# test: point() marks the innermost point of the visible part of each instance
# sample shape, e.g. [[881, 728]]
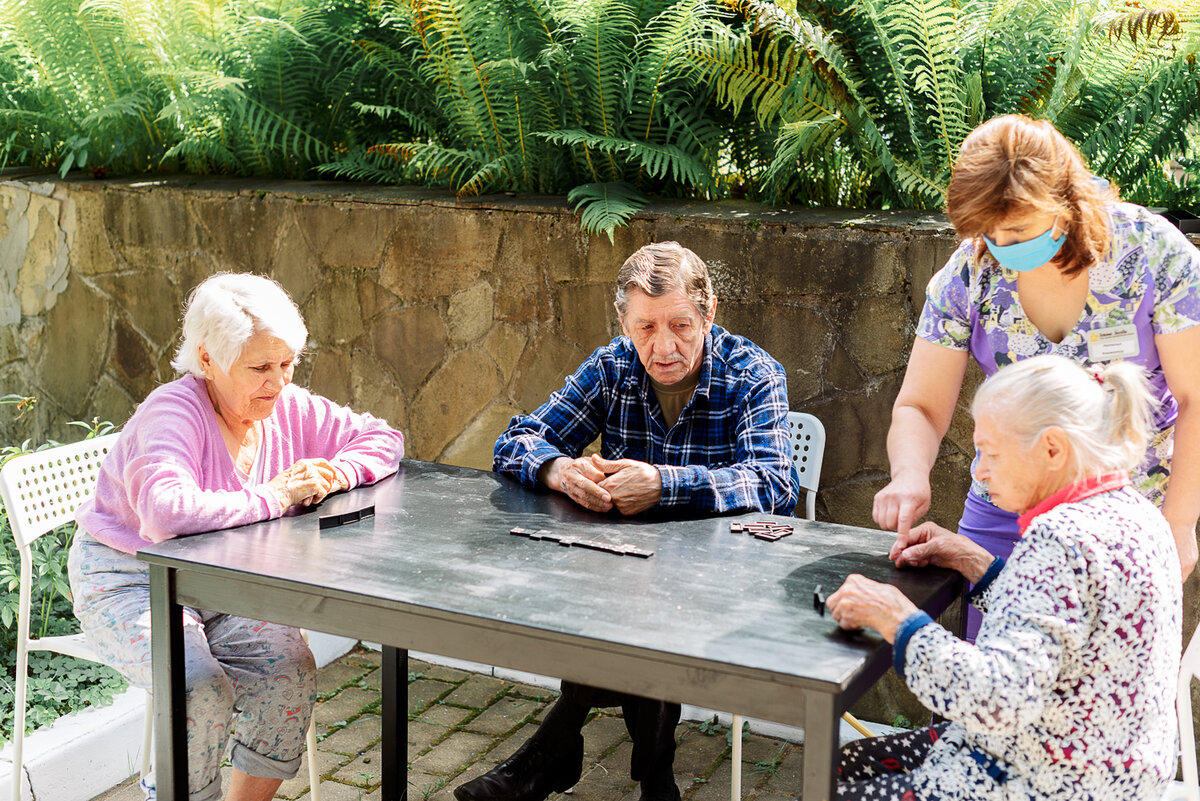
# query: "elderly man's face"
[[249, 390], [667, 333]]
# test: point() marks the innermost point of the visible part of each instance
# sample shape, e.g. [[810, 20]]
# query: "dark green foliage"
[[882, 92], [819, 102]]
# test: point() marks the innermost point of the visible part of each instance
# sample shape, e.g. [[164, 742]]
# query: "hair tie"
[[1097, 373]]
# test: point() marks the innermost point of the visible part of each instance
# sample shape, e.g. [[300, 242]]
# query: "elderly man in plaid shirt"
[[691, 418]]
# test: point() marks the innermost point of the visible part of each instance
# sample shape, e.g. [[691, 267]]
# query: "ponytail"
[[1105, 411]]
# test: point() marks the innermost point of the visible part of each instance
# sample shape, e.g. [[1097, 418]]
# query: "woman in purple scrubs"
[[1051, 262]]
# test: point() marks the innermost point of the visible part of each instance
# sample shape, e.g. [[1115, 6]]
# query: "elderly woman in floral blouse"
[[1068, 692]]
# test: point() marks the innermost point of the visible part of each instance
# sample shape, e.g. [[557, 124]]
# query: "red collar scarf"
[[1076, 492]]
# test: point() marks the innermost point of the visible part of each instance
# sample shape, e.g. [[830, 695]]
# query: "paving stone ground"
[[462, 724]]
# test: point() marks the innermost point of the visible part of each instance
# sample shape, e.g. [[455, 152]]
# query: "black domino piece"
[[521, 532], [542, 534], [332, 521], [737, 526], [819, 600], [591, 545]]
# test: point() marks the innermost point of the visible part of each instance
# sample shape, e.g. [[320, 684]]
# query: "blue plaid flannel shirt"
[[729, 450]]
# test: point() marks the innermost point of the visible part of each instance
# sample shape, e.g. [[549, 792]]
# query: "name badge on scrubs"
[[1115, 342]]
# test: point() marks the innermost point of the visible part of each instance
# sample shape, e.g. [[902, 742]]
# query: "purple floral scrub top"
[[1148, 284]]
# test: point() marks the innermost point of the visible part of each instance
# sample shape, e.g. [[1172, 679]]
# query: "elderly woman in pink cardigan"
[[232, 442]]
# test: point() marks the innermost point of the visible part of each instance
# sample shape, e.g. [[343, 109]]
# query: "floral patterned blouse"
[[1069, 691], [1148, 284]]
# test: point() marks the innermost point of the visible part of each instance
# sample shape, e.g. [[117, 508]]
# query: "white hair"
[[225, 310], [1105, 411]]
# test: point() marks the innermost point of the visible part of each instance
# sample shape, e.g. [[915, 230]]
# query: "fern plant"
[[882, 92], [599, 99]]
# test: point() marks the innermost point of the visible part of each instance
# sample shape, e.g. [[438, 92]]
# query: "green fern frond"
[[659, 161], [603, 207]]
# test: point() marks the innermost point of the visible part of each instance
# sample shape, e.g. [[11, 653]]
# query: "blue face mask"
[[1027, 255]]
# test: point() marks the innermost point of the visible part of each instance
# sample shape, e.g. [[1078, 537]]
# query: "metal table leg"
[[170, 702], [820, 748], [395, 724]]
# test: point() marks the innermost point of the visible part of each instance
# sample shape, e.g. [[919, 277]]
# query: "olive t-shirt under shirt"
[[673, 397]]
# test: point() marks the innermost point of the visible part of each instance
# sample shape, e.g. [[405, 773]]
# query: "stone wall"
[[448, 317]]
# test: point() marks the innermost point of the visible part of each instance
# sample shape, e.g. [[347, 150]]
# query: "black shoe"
[[531, 774], [662, 788]]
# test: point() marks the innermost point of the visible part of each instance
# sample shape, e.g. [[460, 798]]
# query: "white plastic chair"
[[41, 491], [1189, 669], [808, 451]]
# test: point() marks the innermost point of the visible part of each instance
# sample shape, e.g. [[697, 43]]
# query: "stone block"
[[341, 673], [585, 314], [450, 399], [293, 264], [423, 693], [841, 373], [132, 359], [469, 315], [856, 428], [475, 445], [602, 259], [453, 754], [924, 256], [505, 343], [111, 402], [346, 235], [477, 692], [505, 715], [798, 337], [343, 706], [331, 374], [825, 261], [721, 245], [152, 301], [76, 339], [601, 735], [240, 232], [87, 236], [42, 276], [443, 715], [152, 220], [355, 738], [508, 746], [540, 244], [373, 299], [333, 314], [543, 367], [435, 252], [879, 335], [698, 754], [411, 341]]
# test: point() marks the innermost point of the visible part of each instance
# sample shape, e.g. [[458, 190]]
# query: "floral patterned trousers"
[[247, 681]]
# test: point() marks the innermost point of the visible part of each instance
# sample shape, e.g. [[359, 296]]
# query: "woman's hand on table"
[[306, 482], [930, 544], [902, 502], [862, 603]]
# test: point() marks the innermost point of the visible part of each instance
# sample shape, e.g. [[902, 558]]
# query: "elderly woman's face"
[[1017, 478], [249, 390]]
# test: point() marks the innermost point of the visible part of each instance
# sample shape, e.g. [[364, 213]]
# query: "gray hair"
[[661, 268], [225, 310], [1106, 411]]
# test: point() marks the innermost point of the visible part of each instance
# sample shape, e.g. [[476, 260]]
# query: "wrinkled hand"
[[930, 544], [633, 486], [861, 602], [306, 482], [902, 502], [578, 479]]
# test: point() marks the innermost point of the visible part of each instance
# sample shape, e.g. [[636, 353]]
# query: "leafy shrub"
[[57, 684]]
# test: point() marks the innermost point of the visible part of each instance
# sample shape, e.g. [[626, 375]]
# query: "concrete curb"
[[79, 756]]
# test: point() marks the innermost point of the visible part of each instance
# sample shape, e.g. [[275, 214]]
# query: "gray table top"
[[440, 540]]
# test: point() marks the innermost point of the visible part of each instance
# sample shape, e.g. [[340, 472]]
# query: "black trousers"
[[651, 724]]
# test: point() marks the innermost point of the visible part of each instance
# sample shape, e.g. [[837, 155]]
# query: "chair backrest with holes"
[[42, 490], [808, 450]]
